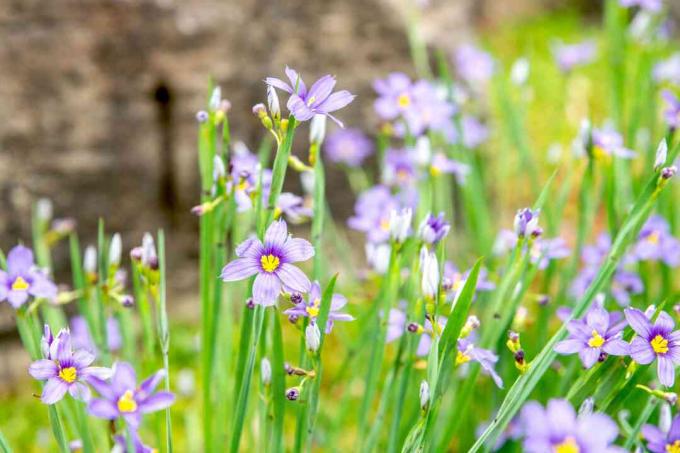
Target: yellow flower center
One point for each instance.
(435, 171)
(270, 262)
(568, 446)
(601, 155)
(462, 358)
(20, 284)
(674, 447)
(385, 224)
(243, 185)
(68, 374)
(313, 310)
(127, 403)
(596, 341)
(653, 238)
(458, 282)
(659, 344)
(404, 100)
(311, 100)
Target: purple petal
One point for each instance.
(53, 391)
(321, 89)
(666, 371)
(251, 247)
(124, 378)
(561, 417)
(638, 321)
(98, 372)
(149, 385)
(42, 287)
(674, 432)
(17, 298)
(424, 345)
(336, 101)
(296, 249)
(616, 346)
(641, 351)
(299, 108)
(239, 269)
(43, 369)
(83, 358)
(579, 329)
(102, 387)
(64, 350)
(293, 278)
(533, 420)
(653, 434)
(337, 302)
(598, 319)
(589, 356)
(278, 83)
(79, 391)
(133, 418)
(664, 322)
(599, 429)
(19, 260)
(266, 289)
(570, 346)
(276, 234)
(156, 402)
(296, 81)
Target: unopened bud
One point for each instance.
(312, 337)
(317, 129)
(136, 254)
(293, 393)
(661, 155)
(215, 98)
(273, 101)
(669, 172)
(115, 250)
(90, 260)
(250, 303)
(260, 110)
(202, 116)
(43, 209)
(424, 395)
(127, 301)
(266, 371)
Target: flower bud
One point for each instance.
(202, 116)
(273, 102)
(219, 172)
(266, 371)
(669, 172)
(586, 407)
(430, 274)
(215, 98)
(519, 73)
(127, 301)
(250, 303)
(115, 250)
(312, 337)
(296, 298)
(148, 250)
(260, 110)
(412, 327)
(43, 209)
(400, 223)
(661, 155)
(293, 393)
(526, 223)
(90, 260)
(433, 229)
(424, 394)
(317, 129)
(136, 254)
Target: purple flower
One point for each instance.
(272, 262)
(400, 167)
(442, 164)
(557, 428)
(122, 398)
(82, 339)
(599, 332)
(430, 109)
(655, 243)
(649, 5)
(467, 351)
(394, 95)
(608, 142)
(372, 213)
(668, 70)
(473, 64)
(545, 250)
(526, 223)
(433, 229)
(64, 370)
(121, 443)
(348, 146)
(293, 207)
(311, 307)
(23, 279)
(454, 280)
(425, 342)
(672, 112)
(655, 341)
(319, 100)
(662, 442)
(568, 56)
(474, 132)
(396, 324)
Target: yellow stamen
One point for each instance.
(270, 263)
(311, 100)
(596, 341)
(462, 358)
(68, 374)
(385, 224)
(435, 171)
(568, 446)
(674, 447)
(127, 403)
(600, 154)
(659, 344)
(313, 310)
(404, 100)
(653, 238)
(20, 284)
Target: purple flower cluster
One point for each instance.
(348, 146)
(311, 307)
(474, 65)
(655, 243)
(569, 56)
(23, 279)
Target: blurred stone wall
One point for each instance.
(97, 98)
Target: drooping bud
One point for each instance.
(424, 394)
(266, 371)
(668, 172)
(136, 254)
(293, 393)
(400, 223)
(259, 110)
(115, 250)
(312, 337)
(661, 155)
(202, 116)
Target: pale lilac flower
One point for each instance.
(453, 280)
(64, 369)
(506, 240)
(526, 223)
(139, 446)
(429, 267)
(473, 64)
(668, 71)
(545, 250)
(474, 132)
(568, 56)
(467, 351)
(608, 142)
(82, 338)
(599, 333)
(648, 5)
(431, 110)
(672, 112)
(311, 307)
(372, 213)
(293, 207)
(23, 279)
(121, 397)
(558, 428)
(400, 224)
(348, 146)
(272, 263)
(656, 341)
(400, 167)
(394, 95)
(396, 325)
(442, 164)
(663, 440)
(433, 229)
(319, 100)
(655, 243)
